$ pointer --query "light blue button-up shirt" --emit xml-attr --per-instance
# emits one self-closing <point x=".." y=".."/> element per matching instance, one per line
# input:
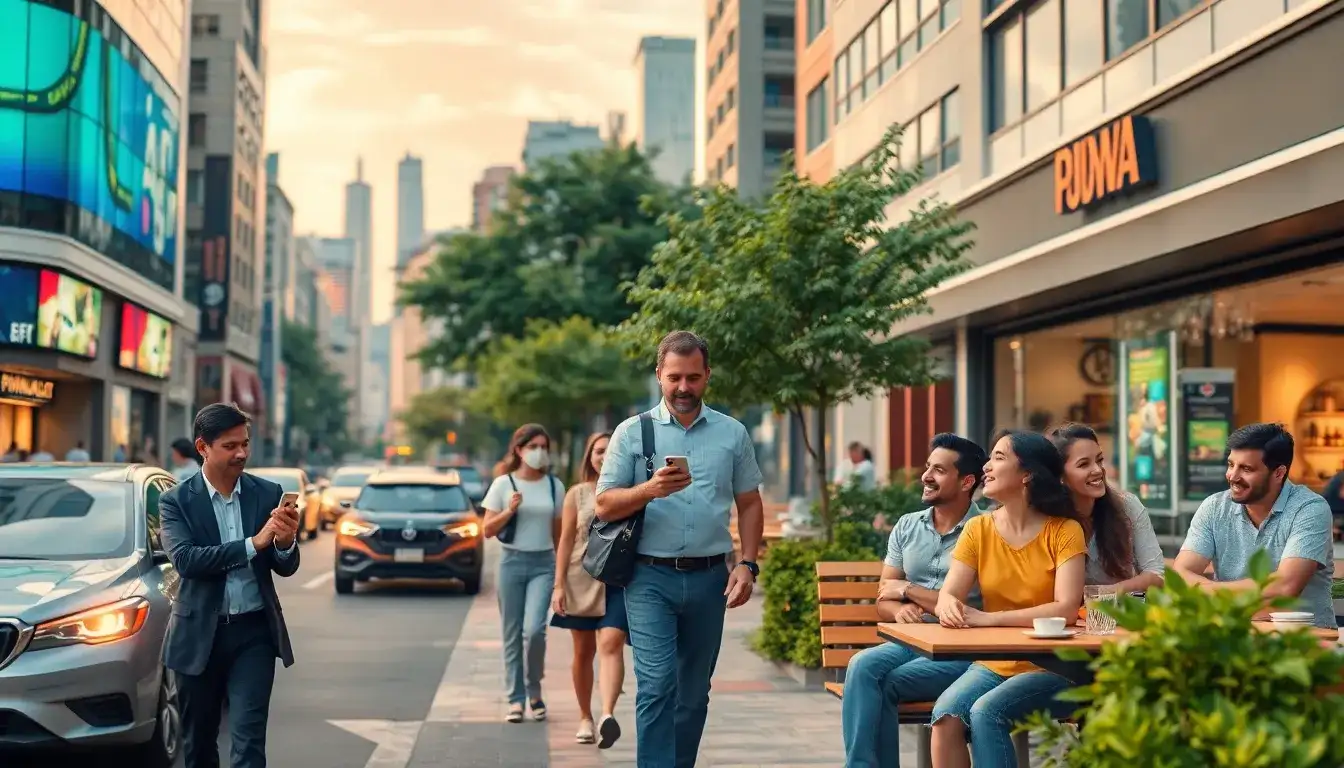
<point x="923" y="554"/>
<point x="693" y="522"/>
<point x="241" y="592"/>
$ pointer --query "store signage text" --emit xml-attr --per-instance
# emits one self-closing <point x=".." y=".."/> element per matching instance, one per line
<point x="1111" y="160"/>
<point x="26" y="388"/>
<point x="23" y="334"/>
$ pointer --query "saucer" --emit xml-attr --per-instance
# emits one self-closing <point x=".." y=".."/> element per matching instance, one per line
<point x="1050" y="635"/>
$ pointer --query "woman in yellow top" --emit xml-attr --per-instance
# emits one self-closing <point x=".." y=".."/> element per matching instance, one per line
<point x="1029" y="557"/>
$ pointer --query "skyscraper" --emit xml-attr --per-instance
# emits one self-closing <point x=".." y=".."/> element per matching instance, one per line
<point x="557" y="139"/>
<point x="488" y="195"/>
<point x="359" y="230"/>
<point x="664" y="117"/>
<point x="410" y="207"/>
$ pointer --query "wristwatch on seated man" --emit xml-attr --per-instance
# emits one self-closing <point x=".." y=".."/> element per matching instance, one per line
<point x="753" y="567"/>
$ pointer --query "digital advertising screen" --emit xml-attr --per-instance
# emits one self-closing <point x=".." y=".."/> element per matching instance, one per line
<point x="69" y="314"/>
<point x="146" y="342"/>
<point x="18" y="306"/>
<point x="88" y="137"/>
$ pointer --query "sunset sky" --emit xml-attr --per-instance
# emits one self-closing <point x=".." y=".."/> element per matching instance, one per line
<point x="452" y="81"/>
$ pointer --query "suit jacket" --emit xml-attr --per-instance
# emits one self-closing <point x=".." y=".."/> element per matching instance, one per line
<point x="190" y="535"/>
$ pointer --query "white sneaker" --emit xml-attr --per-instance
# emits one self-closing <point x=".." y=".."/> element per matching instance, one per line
<point x="609" y="730"/>
<point x="585" y="734"/>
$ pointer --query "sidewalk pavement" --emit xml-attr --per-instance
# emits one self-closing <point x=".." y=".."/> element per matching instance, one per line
<point x="759" y="717"/>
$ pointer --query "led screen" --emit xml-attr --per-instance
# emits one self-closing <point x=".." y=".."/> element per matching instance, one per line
<point x="69" y="314"/>
<point x="146" y="342"/>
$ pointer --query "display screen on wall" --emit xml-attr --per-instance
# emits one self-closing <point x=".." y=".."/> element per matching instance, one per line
<point x="88" y="135"/>
<point x="69" y="314"/>
<point x="146" y="342"/>
<point x="18" y="306"/>
<point x="1148" y="420"/>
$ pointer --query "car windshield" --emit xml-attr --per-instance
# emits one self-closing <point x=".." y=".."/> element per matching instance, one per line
<point x="351" y="478"/>
<point x="65" y="519"/>
<point x="468" y="474"/>
<point x="413" y="498"/>
<point x="286" y="480"/>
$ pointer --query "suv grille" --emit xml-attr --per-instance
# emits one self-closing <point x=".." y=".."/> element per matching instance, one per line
<point x="13" y="637"/>
<point x="429" y="536"/>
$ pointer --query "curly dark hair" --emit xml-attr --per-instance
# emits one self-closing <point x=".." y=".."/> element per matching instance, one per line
<point x="1109" y="525"/>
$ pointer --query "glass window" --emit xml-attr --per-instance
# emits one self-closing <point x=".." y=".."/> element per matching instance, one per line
<point x="1126" y="25"/>
<point x="1006" y="75"/>
<point x="1171" y="10"/>
<point x="929" y="141"/>
<point x="905" y="154"/>
<point x="871" y="45"/>
<point x="1043" y="55"/>
<point x="951" y="12"/>
<point x="927" y="8"/>
<point x="732" y="40"/>
<point x="413" y="498"/>
<point x="887" y="21"/>
<point x="816" y="18"/>
<point x="951" y="130"/>
<point x="929" y="31"/>
<point x="909" y="17"/>
<point x="731" y="156"/>
<point x="153" y="490"/>
<point x="856" y="65"/>
<point x="44" y="518"/>
<point x="817" y="125"/>
<point x="1083" y="48"/>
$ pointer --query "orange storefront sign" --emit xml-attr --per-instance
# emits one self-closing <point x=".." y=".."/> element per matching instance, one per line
<point x="1112" y="160"/>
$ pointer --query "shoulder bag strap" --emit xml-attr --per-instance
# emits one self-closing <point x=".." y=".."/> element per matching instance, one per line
<point x="646" y="435"/>
<point x="512" y="484"/>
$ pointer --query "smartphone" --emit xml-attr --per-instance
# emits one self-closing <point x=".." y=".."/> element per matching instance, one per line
<point x="291" y="498"/>
<point x="680" y="461"/>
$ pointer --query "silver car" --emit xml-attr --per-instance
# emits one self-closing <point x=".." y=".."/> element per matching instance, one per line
<point x="84" y="603"/>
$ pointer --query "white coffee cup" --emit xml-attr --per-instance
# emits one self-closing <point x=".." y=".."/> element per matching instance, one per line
<point x="1052" y="625"/>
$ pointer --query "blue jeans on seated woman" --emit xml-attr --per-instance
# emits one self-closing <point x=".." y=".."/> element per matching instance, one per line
<point x="877" y="681"/>
<point x="990" y="705"/>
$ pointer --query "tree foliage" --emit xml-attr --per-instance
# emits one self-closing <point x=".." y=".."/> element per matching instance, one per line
<point x="574" y="230"/>
<point x="319" y="402"/>
<point x="797" y="295"/>
<point x="432" y="414"/>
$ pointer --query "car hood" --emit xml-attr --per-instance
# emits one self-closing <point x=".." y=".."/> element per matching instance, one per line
<point x="29" y="587"/>
<point x="417" y="520"/>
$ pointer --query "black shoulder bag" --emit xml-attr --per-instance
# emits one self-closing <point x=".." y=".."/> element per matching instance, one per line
<point x="510" y="528"/>
<point x="613" y="546"/>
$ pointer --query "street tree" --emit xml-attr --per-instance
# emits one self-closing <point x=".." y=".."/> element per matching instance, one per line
<point x="434" y="413"/>
<point x="798" y="294"/>
<point x="561" y="375"/>
<point x="318" y="400"/>
<point x="573" y="231"/>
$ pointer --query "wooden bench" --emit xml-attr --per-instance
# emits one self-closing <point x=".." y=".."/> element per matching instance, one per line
<point x="773" y="529"/>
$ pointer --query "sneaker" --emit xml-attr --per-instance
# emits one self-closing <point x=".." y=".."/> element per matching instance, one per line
<point x="609" y="730"/>
<point x="515" y="713"/>
<point x="538" y="710"/>
<point x="585" y="734"/>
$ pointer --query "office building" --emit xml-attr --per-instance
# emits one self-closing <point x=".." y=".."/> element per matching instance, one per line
<point x="489" y="195"/>
<point x="374" y="400"/>
<point x="410" y="207"/>
<point x="226" y="182"/>
<point x="814" y="117"/>
<point x="749" y="92"/>
<point x="359" y="230"/>
<point x="277" y="308"/>
<point x="557" y="139"/>
<point x="664" y="116"/>
<point x="96" y="337"/>
<point x="1159" y="247"/>
<point x="338" y="263"/>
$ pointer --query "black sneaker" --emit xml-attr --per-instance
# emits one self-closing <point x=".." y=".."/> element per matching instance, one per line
<point x="609" y="731"/>
<point x="538" y="710"/>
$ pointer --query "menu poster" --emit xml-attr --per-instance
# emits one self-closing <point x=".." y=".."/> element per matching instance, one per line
<point x="1206" y="412"/>
<point x="1148" y="420"/>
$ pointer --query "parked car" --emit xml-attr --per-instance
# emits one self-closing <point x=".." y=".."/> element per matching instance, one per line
<point x="404" y="525"/>
<point x="85" y="594"/>
<point x="296" y="481"/>
<point x="346" y="483"/>
<point x="472" y="481"/>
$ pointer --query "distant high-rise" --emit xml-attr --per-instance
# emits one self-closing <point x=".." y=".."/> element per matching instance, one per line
<point x="664" y="115"/>
<point x="338" y="260"/>
<point x="489" y="195"/>
<point x="359" y="230"/>
<point x="410" y="208"/>
<point x="557" y="139"/>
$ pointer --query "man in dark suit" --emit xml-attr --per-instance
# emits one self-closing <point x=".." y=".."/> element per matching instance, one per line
<point x="226" y="533"/>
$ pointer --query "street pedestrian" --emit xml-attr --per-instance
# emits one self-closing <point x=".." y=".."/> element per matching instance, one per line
<point x="685" y="575"/>
<point x="522" y="510"/>
<point x="227" y="533"/>
<point x="593" y="612"/>
<point x="186" y="462"/>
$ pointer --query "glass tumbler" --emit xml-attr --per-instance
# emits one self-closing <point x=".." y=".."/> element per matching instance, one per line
<point x="1099" y="622"/>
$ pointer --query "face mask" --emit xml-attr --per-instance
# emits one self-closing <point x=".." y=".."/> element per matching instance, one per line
<point x="536" y="458"/>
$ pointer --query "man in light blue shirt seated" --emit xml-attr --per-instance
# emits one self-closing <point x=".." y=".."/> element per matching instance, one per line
<point x="1263" y="509"/>
<point x="918" y="554"/>
<point x="685" y="575"/>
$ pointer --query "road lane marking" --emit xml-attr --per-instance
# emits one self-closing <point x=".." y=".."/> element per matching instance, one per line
<point x="318" y="581"/>
<point x="395" y="740"/>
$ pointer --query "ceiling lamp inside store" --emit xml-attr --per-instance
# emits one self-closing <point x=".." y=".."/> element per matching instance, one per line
<point x="1195" y="319"/>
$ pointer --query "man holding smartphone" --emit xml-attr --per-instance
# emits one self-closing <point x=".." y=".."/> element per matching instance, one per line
<point x="227" y="533"/>
<point x="686" y="574"/>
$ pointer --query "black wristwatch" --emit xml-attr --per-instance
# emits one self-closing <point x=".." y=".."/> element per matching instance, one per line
<point x="754" y="568"/>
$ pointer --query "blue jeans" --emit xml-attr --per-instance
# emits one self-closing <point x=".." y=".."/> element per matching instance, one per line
<point x="524" y="587"/>
<point x="877" y="681"/>
<point x="676" y="626"/>
<point x="990" y="704"/>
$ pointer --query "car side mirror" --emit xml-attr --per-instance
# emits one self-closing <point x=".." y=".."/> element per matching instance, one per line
<point x="161" y="558"/>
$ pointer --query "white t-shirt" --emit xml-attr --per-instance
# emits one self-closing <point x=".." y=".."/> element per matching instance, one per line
<point x="535" y="514"/>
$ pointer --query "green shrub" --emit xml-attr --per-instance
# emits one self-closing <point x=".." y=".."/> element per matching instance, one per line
<point x="1199" y="686"/>
<point x="1337" y="589"/>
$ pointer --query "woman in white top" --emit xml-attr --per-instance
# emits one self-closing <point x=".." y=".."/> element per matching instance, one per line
<point x="522" y="510"/>
<point x="861" y="470"/>
<point x="1122" y="548"/>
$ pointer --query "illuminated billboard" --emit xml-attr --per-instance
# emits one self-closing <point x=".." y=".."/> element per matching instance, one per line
<point x="146" y="342"/>
<point x="69" y="314"/>
<point x="88" y="136"/>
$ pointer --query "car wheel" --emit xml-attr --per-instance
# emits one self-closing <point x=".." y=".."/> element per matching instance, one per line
<point x="324" y="525"/>
<point x="162" y="749"/>
<point x="472" y="586"/>
<point x="345" y="585"/>
<point x="312" y="534"/>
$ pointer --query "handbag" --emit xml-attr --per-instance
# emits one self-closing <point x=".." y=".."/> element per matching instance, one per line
<point x="510" y="528"/>
<point x="613" y="545"/>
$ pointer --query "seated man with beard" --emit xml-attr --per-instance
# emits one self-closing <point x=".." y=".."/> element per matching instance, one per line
<point x="1263" y="509"/>
<point x="918" y="554"/>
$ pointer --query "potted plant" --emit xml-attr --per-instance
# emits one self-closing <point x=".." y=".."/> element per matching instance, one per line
<point x="1337" y="595"/>
<point x="1199" y="686"/>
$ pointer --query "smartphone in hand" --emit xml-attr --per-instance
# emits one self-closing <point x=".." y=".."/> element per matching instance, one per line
<point x="290" y="499"/>
<point x="681" y="462"/>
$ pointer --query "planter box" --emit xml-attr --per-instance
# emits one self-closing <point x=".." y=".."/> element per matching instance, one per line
<point x="808" y="678"/>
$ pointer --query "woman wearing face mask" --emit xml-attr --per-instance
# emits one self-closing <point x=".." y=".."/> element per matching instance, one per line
<point x="522" y="508"/>
<point x="1029" y="557"/>
<point x="593" y="612"/>
<point x="1122" y="548"/>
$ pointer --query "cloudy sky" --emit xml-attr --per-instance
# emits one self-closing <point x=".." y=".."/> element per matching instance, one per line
<point x="451" y="81"/>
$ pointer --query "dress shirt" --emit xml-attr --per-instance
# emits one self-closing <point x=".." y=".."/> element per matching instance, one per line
<point x="241" y="592"/>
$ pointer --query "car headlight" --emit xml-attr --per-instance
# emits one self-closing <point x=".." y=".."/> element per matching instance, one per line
<point x="469" y="530"/>
<point x="356" y="528"/>
<point x="105" y="624"/>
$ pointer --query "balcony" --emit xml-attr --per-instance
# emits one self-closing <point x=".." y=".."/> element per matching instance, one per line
<point x="779" y="111"/>
<point x="779" y="43"/>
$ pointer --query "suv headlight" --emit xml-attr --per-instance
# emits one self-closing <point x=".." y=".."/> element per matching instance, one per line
<point x="351" y="527"/>
<point x="467" y="530"/>
<point x="104" y="624"/>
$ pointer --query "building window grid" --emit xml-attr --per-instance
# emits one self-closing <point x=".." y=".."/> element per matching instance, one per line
<point x="890" y="40"/>
<point x="1107" y="44"/>
<point x="817" y="126"/>
<point x="816" y="18"/>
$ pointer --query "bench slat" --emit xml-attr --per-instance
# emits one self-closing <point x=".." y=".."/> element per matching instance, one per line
<point x="864" y="635"/>
<point x="847" y="590"/>
<point x="837" y="657"/>
<point x="836" y="689"/>
<point x="861" y="613"/>
<point x="832" y="570"/>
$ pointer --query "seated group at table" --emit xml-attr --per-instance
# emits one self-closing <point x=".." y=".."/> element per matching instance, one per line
<point x="1058" y="524"/>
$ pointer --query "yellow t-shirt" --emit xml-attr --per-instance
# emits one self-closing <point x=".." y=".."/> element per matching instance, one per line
<point x="1013" y="579"/>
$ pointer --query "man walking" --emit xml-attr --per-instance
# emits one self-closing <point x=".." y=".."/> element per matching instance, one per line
<point x="685" y="575"/>
<point x="226" y="532"/>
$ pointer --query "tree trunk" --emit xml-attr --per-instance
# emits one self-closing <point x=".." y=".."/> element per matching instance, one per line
<point x="818" y="455"/>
